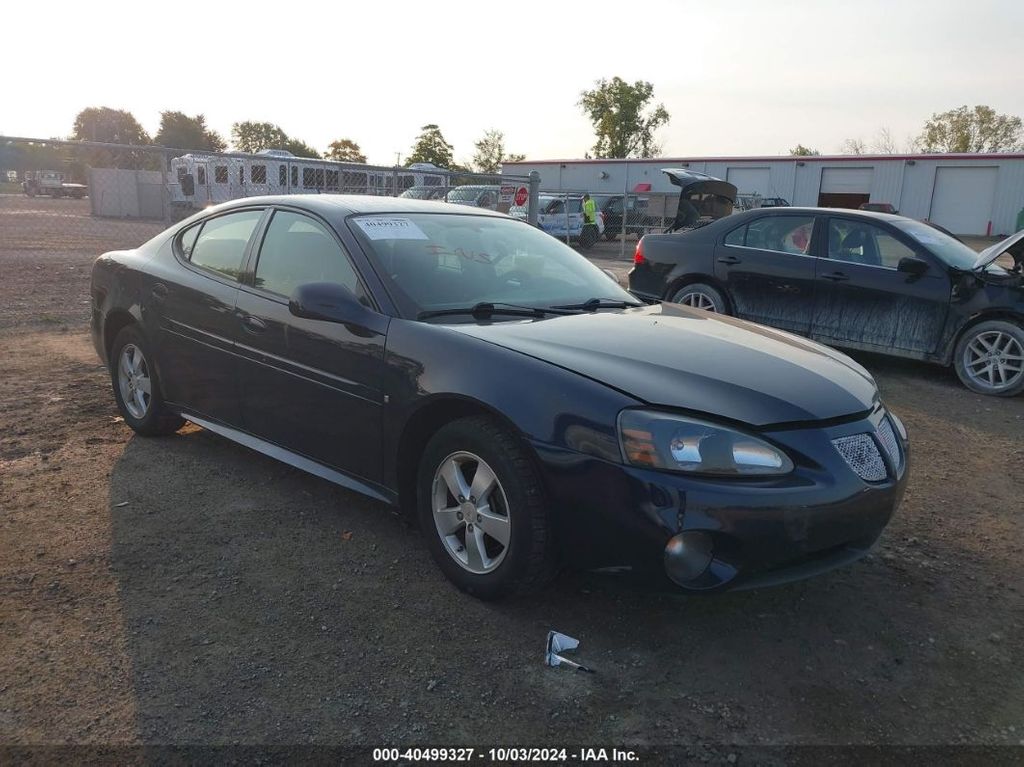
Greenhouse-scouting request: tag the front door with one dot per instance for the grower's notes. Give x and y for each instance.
(310, 386)
(862, 299)
(767, 267)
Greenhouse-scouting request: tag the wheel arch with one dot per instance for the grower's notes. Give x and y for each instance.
(1007, 315)
(692, 278)
(422, 424)
(115, 321)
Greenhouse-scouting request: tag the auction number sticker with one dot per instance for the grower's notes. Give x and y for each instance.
(390, 228)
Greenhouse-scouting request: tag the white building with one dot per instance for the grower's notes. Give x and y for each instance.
(972, 194)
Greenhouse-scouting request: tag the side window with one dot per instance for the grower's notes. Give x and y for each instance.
(297, 250)
(259, 174)
(187, 239)
(220, 174)
(282, 175)
(295, 175)
(201, 174)
(221, 243)
(241, 174)
(783, 234)
(858, 242)
(737, 236)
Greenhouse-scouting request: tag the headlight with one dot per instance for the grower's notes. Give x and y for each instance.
(664, 441)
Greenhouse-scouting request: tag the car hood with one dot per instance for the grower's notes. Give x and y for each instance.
(1014, 244)
(678, 357)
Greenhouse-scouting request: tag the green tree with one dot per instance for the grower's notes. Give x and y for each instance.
(431, 146)
(254, 137)
(299, 148)
(490, 152)
(977, 129)
(802, 151)
(623, 118)
(345, 150)
(180, 131)
(113, 126)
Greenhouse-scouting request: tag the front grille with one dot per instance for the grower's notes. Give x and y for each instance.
(889, 443)
(861, 452)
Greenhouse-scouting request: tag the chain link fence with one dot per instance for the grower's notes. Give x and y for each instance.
(97, 196)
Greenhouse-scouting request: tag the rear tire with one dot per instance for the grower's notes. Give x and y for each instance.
(700, 295)
(989, 358)
(465, 538)
(137, 386)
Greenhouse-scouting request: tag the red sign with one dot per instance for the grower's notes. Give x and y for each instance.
(522, 195)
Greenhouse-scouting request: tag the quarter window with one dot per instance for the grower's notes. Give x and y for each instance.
(783, 234)
(857, 242)
(736, 236)
(297, 250)
(221, 243)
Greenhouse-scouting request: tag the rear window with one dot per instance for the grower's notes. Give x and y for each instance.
(220, 244)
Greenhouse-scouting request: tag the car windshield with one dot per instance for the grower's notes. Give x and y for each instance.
(434, 261)
(951, 251)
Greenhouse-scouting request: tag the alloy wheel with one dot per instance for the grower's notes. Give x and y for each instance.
(471, 512)
(994, 360)
(698, 300)
(134, 382)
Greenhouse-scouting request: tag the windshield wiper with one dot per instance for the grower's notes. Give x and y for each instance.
(600, 303)
(487, 308)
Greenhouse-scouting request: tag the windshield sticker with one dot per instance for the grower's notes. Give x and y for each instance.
(390, 228)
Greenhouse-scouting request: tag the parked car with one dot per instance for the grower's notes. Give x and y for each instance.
(852, 279)
(611, 206)
(553, 219)
(879, 207)
(475, 195)
(425, 193)
(491, 381)
(774, 202)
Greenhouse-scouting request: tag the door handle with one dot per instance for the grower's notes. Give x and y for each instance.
(159, 292)
(729, 260)
(253, 324)
(835, 277)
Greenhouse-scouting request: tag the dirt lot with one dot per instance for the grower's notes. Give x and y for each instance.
(186, 590)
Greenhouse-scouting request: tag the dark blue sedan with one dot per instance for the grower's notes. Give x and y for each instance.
(493, 383)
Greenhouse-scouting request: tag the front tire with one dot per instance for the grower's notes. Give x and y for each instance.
(137, 386)
(989, 358)
(700, 295)
(482, 509)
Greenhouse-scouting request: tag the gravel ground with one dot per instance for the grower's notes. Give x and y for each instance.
(186, 590)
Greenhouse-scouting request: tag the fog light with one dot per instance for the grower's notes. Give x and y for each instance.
(687, 555)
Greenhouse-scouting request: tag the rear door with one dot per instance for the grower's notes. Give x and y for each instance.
(310, 386)
(767, 267)
(193, 303)
(863, 300)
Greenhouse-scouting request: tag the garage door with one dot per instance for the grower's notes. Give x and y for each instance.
(846, 180)
(750, 181)
(962, 199)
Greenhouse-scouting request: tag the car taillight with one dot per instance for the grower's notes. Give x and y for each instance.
(638, 256)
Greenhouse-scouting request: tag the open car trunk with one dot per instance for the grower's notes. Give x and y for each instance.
(702, 198)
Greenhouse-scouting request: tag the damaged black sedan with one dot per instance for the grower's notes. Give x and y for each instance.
(857, 280)
(500, 388)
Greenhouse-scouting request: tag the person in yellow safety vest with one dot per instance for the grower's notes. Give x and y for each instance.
(589, 210)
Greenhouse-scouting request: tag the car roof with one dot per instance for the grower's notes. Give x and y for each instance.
(330, 205)
(790, 210)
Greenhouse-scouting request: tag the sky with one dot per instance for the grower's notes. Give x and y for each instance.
(738, 78)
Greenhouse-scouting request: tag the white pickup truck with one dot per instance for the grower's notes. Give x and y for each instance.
(52, 183)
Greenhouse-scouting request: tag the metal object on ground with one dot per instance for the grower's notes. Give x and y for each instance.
(559, 643)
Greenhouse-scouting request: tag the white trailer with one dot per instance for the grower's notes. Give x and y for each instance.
(199, 180)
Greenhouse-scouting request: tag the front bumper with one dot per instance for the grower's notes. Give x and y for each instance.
(764, 531)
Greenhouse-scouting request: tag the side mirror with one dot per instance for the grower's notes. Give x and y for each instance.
(329, 302)
(912, 265)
